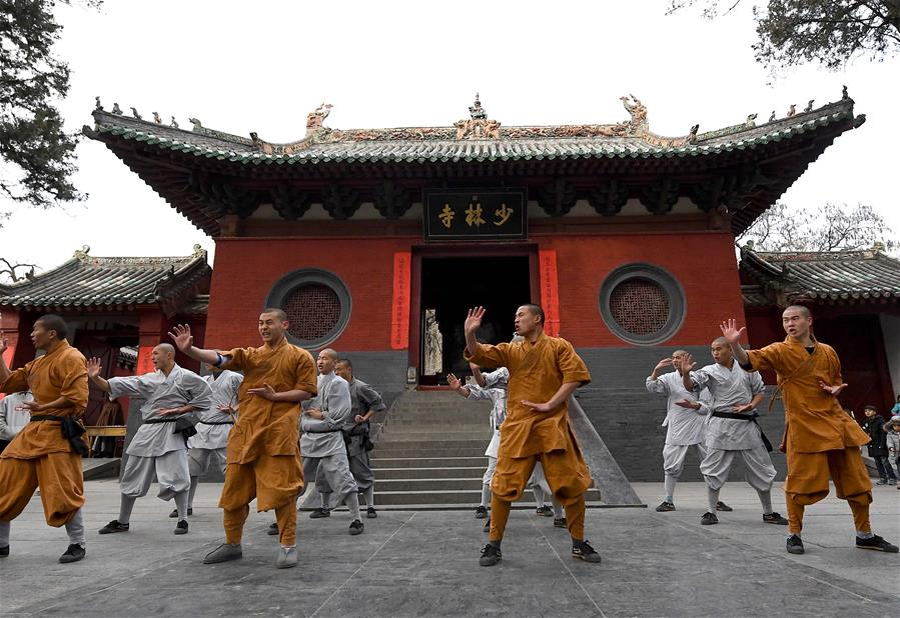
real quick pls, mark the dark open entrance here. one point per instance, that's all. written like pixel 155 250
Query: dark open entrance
pixel 450 286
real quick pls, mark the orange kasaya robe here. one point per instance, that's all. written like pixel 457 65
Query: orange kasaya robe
pixel 536 372
pixel 820 439
pixel 263 459
pixel 39 455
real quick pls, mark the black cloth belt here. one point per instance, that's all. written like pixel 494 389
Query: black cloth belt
pixel 216 422
pixel 71 429
pixel 164 419
pixel 747 417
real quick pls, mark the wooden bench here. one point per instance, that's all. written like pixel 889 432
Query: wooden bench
pixel 98 431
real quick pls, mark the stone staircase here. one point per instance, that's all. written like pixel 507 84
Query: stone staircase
pixel 429 453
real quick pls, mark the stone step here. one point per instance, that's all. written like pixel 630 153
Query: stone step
pixel 440 435
pixel 387 442
pixel 443 484
pixel 386 473
pixel 452 496
pixel 418 453
pixel 429 462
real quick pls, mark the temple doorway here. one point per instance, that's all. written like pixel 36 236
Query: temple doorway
pixel 450 285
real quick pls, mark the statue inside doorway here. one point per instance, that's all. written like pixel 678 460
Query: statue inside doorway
pixel 434 344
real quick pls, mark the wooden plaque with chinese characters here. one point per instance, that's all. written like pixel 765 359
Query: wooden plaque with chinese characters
pixel 475 214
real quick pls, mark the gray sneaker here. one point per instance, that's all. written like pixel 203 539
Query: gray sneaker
pixel 224 553
pixel 287 558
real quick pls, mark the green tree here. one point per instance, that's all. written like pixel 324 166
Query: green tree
pixel 828 32
pixel 37 155
pixel 835 227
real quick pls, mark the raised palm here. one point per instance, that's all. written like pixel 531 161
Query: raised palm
pixel 181 335
pixel 94 367
pixel 473 319
pixel 453 382
pixel 4 344
pixel 731 332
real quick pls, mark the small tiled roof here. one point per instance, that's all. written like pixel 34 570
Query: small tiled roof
pixel 838 277
pixel 87 282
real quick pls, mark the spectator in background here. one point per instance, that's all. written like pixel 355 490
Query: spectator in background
pixel 874 427
pixel 892 438
pixel 13 416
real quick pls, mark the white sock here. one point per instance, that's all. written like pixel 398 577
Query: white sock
pixel 325 499
pixel 195 480
pixel 75 529
pixel 538 495
pixel 370 495
pixel 486 496
pixel 181 503
pixel 557 508
pixel 670 488
pixel 712 497
pixel 864 535
pixel 125 509
pixel 352 502
pixel 765 498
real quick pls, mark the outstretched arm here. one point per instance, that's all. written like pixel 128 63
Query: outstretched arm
pixel 471 325
pixel 4 370
pixel 456 386
pixel 561 395
pixel 181 335
pixel 94 368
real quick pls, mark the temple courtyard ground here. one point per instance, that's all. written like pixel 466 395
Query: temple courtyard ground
pixel 425 563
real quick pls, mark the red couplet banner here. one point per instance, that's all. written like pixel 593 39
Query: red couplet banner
pixel 144 362
pixel 549 290
pixel 400 304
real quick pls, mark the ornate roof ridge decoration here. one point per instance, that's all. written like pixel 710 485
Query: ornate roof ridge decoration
pixel 86 282
pixel 478 128
pixel 832 277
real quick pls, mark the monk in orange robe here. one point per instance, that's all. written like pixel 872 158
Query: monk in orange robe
pixel 41 456
pixel 543 372
pixel 820 439
pixel 263 456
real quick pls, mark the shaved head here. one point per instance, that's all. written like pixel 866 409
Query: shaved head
pixel 536 310
pixel 166 347
pixel 279 314
pixel 720 341
pixel 804 311
pixel 330 354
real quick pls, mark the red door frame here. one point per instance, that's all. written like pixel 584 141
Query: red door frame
pixel 527 249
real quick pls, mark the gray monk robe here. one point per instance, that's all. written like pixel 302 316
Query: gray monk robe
pixel 322 444
pixel 156 448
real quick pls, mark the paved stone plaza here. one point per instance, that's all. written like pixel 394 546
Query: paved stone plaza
pixel 423 563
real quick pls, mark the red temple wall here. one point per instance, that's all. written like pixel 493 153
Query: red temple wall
pixel 246 269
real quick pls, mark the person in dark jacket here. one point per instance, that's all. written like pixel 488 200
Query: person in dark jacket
pixel 874 426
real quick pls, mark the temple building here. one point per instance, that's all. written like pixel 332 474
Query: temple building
pixel 376 241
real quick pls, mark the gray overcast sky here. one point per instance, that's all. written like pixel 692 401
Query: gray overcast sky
pixel 242 67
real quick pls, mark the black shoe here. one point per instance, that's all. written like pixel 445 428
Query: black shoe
pixel 560 522
pixel 480 512
pixel 544 511
pixel 4 551
pixel 487 525
pixel 356 527
pixel 775 518
pixel 73 554
pixel 371 513
pixel 721 506
pixel 319 513
pixel 709 519
pixel 174 513
pixel 272 529
pixel 114 526
pixel 877 543
pixel 794 545
pixel 181 527
pixel 584 551
pixel 490 555
pixel 665 507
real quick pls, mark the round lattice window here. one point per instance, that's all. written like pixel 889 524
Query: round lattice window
pixel 642 304
pixel 317 304
pixel 313 311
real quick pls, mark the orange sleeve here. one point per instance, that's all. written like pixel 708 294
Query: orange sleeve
pixel 74 385
pixel 489 355
pixel 238 360
pixel 17 381
pixel 305 379
pixel 768 357
pixel 571 365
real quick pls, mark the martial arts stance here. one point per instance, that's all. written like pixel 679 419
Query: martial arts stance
pixel 492 387
pixel 544 371
pixel 263 457
pixel 209 444
pixel 820 440
pixel 365 403
pixel 158 447
pixel 325 460
pixel 732 429
pixel 47 452
pixel 685 427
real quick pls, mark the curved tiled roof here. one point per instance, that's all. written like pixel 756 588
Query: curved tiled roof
pixel 89 282
pixel 833 277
